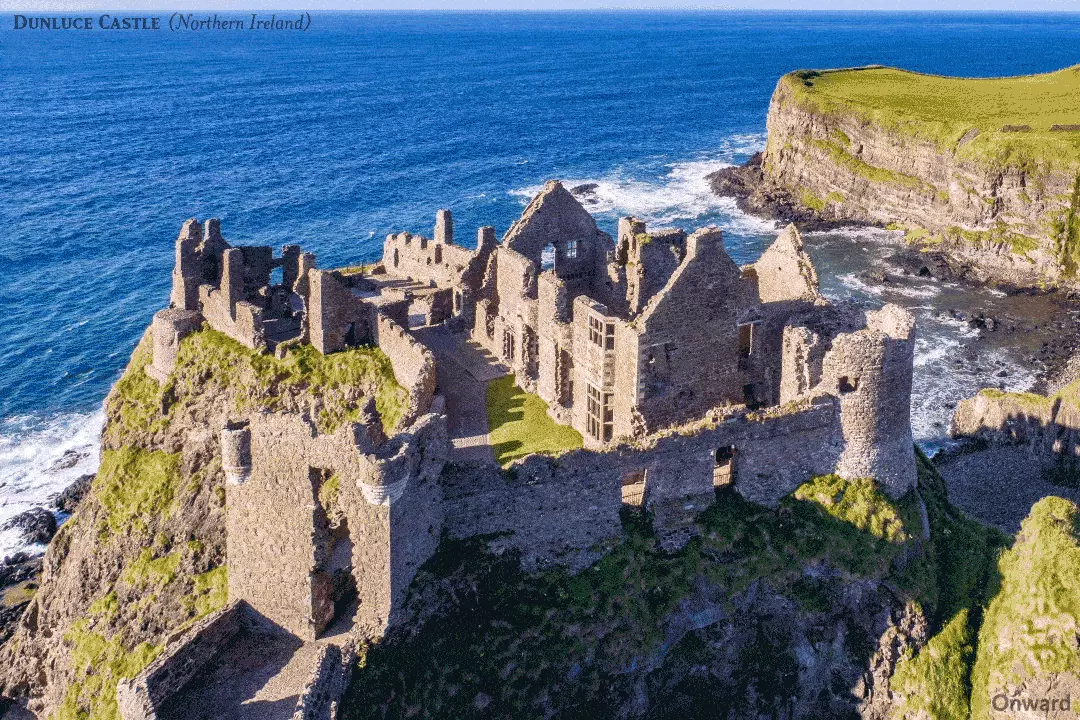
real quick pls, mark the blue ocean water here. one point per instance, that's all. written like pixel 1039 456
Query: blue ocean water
pixel 365 125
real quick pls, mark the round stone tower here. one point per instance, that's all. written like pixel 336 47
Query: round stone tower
pixel 870 371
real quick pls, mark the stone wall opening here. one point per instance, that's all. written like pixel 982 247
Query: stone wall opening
pixel 633 490
pixel 847 385
pixel 746 340
pixel 724 466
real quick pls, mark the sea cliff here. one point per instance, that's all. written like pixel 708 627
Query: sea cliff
pixel 984 173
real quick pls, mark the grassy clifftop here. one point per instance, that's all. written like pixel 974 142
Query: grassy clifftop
pixel 946 110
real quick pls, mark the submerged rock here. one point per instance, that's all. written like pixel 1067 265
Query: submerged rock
pixel 36 525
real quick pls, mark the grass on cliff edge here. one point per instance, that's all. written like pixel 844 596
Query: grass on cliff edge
pixel 520 425
pixel 1031 626
pixel 211 362
pixel 942 109
pixel 555 644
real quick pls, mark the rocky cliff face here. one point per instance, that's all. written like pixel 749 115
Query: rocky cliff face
pixel 811 610
pixel 1009 217
pixel 143 556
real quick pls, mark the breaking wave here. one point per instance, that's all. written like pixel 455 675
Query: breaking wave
pixel 39 457
pixel 669 194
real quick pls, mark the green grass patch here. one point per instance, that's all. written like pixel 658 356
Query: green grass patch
pixel 18 594
pixel 146 571
pixel 934 683
pixel 812 201
pixel 1030 628
pixel 135 404
pixel 520 425
pixel 133 484
pixel 943 109
pixel 873 173
pixel 1000 234
pixel 99 663
pixel 857 502
pixel 263 382
pixel 210 591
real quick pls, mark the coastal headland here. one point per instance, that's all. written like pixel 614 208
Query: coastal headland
pixel 982 174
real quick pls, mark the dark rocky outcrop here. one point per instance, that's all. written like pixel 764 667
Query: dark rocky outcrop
pixel 36 526
pixel 73 494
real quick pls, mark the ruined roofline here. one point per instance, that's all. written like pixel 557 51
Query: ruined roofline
pixel 704 244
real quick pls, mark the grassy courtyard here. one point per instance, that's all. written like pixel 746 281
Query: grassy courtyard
pixel 520 425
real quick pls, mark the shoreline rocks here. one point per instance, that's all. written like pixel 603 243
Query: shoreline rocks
pixel 36 526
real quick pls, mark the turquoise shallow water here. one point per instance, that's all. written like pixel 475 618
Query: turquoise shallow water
pixel 365 125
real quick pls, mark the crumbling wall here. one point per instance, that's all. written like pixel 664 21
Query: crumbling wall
pixel 184 656
pixel 284 527
pixel 168 328
pixel 337 319
pixel 320 697
pixel 785 271
pixel 414 365
pixel 563 510
pixel 270 521
pixel 690 359
pixel 650 259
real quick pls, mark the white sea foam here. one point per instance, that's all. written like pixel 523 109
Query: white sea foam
pixel 680 195
pixel 39 457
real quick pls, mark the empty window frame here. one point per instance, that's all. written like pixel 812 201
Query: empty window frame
pixel 847 385
pixel 571 249
pixel 596 331
pixel 600 415
pixel 746 340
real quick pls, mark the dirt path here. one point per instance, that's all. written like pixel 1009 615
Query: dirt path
pixel 463 372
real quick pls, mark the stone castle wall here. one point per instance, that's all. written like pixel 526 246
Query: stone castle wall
pixel 300 507
pixel 690 349
pixel 414 365
pixel 563 510
pixel 184 656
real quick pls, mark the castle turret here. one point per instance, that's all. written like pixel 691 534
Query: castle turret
pixel 236 453
pixel 870 371
pixel 444 227
pixel 168 328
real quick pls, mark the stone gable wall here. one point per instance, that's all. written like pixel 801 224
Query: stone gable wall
pixel 689 337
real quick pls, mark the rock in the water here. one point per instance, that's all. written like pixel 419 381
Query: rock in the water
pixel 69 499
pixel 68 460
pixel 36 525
pixel 584 189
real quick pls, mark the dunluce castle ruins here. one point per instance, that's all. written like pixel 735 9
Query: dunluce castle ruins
pixel 682 371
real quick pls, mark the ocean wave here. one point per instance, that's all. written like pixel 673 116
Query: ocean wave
pixel 680 195
pixel 40 456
